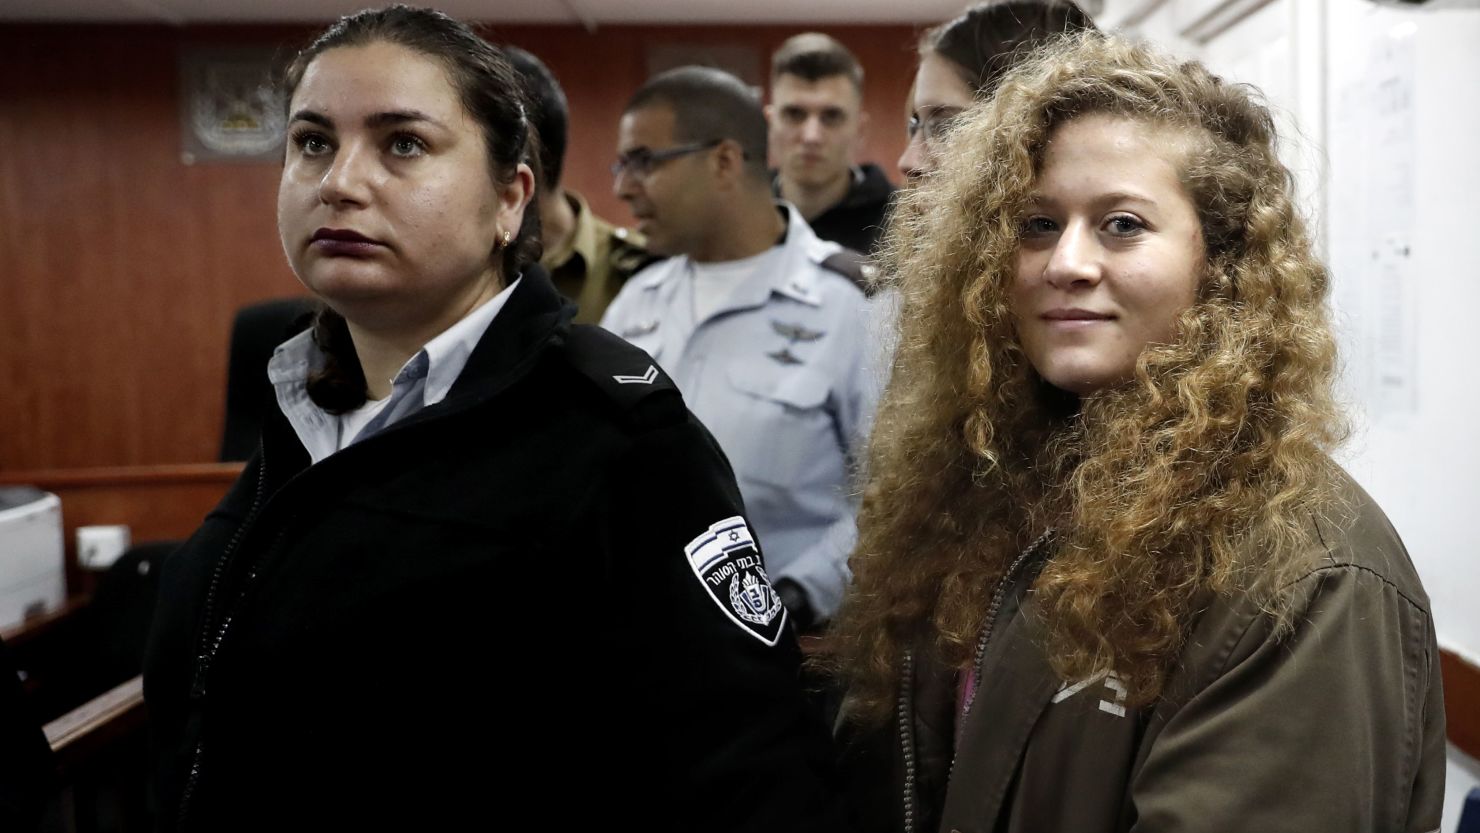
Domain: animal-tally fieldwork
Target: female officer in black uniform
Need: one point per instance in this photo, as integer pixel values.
(486, 570)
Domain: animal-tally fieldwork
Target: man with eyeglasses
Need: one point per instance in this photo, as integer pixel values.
(759, 322)
(816, 118)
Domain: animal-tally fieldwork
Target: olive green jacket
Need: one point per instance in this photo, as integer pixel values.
(595, 262)
(1337, 727)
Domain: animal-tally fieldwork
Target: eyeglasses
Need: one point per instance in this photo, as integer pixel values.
(934, 125)
(642, 162)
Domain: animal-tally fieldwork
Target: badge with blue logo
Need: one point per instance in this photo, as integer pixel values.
(727, 563)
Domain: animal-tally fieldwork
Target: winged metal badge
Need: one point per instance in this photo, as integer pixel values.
(784, 356)
(795, 332)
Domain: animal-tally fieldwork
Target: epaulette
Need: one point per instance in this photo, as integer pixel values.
(641, 392)
(855, 267)
(627, 255)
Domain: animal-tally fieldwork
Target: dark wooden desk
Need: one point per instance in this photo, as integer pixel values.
(101, 745)
(77, 736)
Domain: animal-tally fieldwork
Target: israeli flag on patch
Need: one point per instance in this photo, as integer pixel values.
(725, 560)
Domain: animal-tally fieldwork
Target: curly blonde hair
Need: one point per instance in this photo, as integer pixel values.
(1201, 475)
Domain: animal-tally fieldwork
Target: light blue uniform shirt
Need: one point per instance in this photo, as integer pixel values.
(782, 373)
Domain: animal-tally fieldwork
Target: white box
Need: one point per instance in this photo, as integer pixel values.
(99, 546)
(32, 562)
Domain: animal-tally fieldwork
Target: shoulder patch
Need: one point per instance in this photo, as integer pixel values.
(626, 375)
(855, 267)
(725, 561)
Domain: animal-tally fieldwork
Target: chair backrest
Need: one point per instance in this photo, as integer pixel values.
(122, 609)
(259, 328)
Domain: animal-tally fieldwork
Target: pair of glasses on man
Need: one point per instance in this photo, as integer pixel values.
(643, 161)
(932, 124)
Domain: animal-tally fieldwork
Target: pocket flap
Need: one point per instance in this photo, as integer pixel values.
(796, 386)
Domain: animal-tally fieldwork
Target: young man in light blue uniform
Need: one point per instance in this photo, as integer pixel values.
(762, 325)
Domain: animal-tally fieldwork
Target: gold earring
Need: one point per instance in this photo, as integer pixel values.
(508, 238)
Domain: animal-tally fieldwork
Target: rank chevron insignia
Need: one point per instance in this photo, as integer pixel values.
(646, 378)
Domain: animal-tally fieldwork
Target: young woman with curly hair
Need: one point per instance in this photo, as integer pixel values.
(1108, 577)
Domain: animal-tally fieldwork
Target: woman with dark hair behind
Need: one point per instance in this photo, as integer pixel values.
(962, 60)
(485, 571)
(1108, 577)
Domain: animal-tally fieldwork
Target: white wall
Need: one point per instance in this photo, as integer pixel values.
(1386, 102)
(1422, 462)
(1419, 454)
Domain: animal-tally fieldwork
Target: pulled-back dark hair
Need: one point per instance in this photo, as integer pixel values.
(549, 112)
(490, 92)
(989, 38)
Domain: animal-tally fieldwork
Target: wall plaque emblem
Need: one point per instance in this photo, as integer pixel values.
(230, 109)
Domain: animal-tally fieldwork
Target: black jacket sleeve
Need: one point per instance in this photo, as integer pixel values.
(751, 755)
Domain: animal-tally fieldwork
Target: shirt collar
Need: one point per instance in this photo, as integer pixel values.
(288, 370)
(440, 361)
(797, 276)
(855, 179)
(792, 277)
(447, 354)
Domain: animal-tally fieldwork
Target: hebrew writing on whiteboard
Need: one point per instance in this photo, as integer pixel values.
(1371, 215)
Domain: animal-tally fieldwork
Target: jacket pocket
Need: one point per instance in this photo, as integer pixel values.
(797, 388)
(787, 432)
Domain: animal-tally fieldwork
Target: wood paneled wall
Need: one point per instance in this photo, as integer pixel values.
(121, 267)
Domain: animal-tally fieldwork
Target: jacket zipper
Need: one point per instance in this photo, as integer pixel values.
(907, 736)
(991, 621)
(906, 688)
(211, 637)
(209, 645)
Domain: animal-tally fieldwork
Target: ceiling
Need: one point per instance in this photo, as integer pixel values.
(590, 13)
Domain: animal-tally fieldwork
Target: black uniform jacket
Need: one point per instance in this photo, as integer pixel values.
(481, 618)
